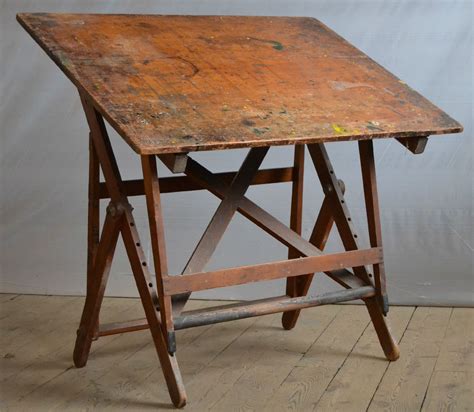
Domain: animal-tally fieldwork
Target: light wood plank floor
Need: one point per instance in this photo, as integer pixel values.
(331, 361)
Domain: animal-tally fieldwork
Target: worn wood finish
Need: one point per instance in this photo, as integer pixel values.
(243, 310)
(172, 84)
(115, 328)
(120, 208)
(176, 162)
(90, 314)
(267, 306)
(268, 271)
(175, 184)
(157, 236)
(162, 329)
(319, 237)
(369, 180)
(222, 217)
(340, 211)
(296, 218)
(93, 217)
(375, 305)
(416, 146)
(267, 222)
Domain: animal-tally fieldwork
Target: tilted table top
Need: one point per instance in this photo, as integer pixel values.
(172, 84)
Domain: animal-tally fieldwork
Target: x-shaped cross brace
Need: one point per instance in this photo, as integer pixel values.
(163, 306)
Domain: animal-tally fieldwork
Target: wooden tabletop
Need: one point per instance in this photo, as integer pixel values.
(172, 84)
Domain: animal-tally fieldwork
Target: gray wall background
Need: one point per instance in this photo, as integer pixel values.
(427, 200)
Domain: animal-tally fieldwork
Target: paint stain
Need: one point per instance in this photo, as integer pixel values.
(338, 128)
(373, 125)
(341, 86)
(248, 122)
(275, 44)
(64, 60)
(260, 131)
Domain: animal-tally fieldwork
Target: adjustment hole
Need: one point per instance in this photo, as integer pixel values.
(132, 224)
(342, 201)
(349, 219)
(355, 235)
(150, 284)
(138, 243)
(144, 263)
(370, 275)
(332, 172)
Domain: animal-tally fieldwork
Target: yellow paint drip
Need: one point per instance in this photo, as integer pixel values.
(338, 129)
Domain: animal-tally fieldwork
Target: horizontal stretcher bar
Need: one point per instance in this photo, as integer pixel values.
(174, 285)
(243, 310)
(267, 306)
(185, 184)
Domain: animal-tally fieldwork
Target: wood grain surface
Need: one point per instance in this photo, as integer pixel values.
(171, 84)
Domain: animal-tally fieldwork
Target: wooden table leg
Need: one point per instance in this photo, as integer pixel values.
(293, 284)
(366, 150)
(120, 220)
(349, 238)
(96, 289)
(93, 219)
(157, 236)
(169, 362)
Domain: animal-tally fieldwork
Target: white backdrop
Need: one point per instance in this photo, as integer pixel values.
(427, 200)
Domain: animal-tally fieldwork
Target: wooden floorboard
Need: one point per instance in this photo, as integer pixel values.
(405, 382)
(331, 361)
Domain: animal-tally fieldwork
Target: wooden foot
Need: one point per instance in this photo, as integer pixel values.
(387, 341)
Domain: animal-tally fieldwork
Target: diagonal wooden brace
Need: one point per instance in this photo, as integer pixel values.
(96, 288)
(346, 230)
(318, 238)
(222, 217)
(299, 286)
(333, 191)
(267, 222)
